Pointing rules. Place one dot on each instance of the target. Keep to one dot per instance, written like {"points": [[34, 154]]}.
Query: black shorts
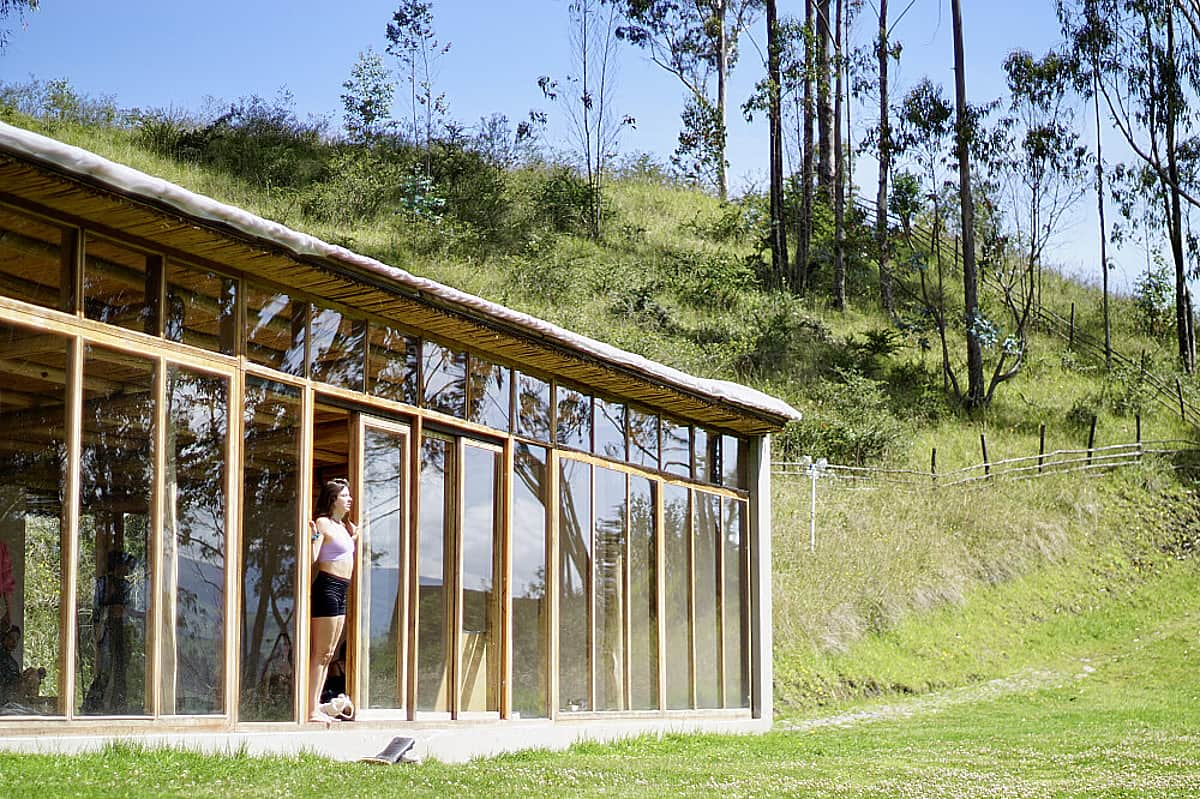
{"points": [[329, 595]]}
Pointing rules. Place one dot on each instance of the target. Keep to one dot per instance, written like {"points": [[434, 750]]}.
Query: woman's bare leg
{"points": [[326, 631]]}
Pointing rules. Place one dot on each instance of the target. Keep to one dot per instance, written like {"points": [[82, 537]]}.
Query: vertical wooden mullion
{"points": [[414, 538], [234, 458], [504, 476], [156, 614], [553, 581], [70, 260], [719, 553], [626, 584], [591, 589], [303, 550], [453, 578], [156, 295], [660, 587], [69, 535], [354, 608], [689, 527]]}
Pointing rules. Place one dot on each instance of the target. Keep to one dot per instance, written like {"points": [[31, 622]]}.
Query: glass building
{"points": [[551, 527]]}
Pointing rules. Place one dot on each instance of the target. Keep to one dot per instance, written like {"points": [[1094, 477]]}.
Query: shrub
{"points": [[848, 422], [565, 201]]}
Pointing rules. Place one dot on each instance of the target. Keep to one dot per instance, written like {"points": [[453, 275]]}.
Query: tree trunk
{"points": [[804, 237], [975, 388], [1103, 228], [825, 154], [1183, 311], [722, 75], [779, 253], [885, 165], [839, 171]]}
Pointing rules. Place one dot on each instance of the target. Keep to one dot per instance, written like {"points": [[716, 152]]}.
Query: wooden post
{"points": [[1179, 391], [1091, 439], [1071, 334], [1041, 447], [987, 467], [1137, 421], [933, 464]]}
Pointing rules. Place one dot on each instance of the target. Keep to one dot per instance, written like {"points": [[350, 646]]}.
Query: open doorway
{"points": [[332, 437]]}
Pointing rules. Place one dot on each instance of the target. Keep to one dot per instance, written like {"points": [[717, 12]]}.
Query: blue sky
{"points": [[160, 54]]}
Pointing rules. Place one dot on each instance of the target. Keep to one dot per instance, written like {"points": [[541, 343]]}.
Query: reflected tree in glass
{"points": [[574, 584], [574, 419], [337, 349], [529, 601], [677, 449], [488, 393], [610, 429], [533, 407], [383, 580], [609, 595], [643, 439], [393, 365], [676, 565], [735, 623], [434, 575], [643, 595], [479, 674], [445, 374], [706, 538]]}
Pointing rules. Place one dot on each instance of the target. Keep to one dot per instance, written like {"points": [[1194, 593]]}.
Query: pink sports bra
{"points": [[339, 546]]}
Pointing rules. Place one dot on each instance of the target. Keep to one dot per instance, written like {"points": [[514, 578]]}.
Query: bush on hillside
{"points": [[848, 422]]}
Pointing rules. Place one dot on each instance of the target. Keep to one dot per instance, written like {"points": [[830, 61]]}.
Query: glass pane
{"points": [[118, 288], [733, 473], [735, 624], [201, 309], [275, 329], [702, 460], [533, 407], [529, 605], [271, 465], [574, 584], [678, 645], [445, 373], [574, 419], [338, 349], [434, 574], [706, 536], [610, 429], [192, 674], [677, 449], [479, 645], [643, 439], [488, 401], [116, 472], [34, 266], [610, 590], [383, 579], [393, 365], [643, 595], [32, 482]]}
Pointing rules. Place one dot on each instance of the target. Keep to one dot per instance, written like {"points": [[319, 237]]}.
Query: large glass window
{"points": [[479, 641], [733, 467], [192, 673], [574, 429], [32, 483], [338, 350], [533, 407], [677, 449], [706, 537], [116, 474], [489, 393], [610, 429], [269, 517], [610, 593], [574, 584], [201, 309], [275, 329], [643, 594], [434, 574], [529, 600], [394, 365], [445, 375], [735, 624], [119, 285], [676, 565], [35, 267], [643, 439]]}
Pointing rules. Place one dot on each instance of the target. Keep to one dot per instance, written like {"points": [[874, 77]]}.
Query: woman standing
{"points": [[333, 542]]}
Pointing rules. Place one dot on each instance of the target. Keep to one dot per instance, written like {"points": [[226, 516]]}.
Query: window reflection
{"points": [[643, 439], [733, 473], [445, 375], [533, 407], [707, 626], [677, 449], [275, 329], [735, 624], [119, 285], [434, 575], [529, 600], [32, 483], [574, 419], [489, 393], [609, 599], [269, 515], [610, 429], [200, 309], [574, 584], [34, 265], [479, 640], [116, 473], [643, 594], [676, 561], [338, 349], [192, 674], [394, 365]]}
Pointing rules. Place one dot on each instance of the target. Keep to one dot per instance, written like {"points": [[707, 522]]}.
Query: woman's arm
{"points": [[316, 538]]}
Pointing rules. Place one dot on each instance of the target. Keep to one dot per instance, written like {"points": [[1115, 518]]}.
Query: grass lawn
{"points": [[1115, 714]]}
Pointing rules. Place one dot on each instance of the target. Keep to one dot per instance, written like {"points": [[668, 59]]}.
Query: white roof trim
{"points": [[126, 180]]}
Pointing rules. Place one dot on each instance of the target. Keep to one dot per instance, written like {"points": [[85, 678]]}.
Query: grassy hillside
{"points": [[909, 590]]}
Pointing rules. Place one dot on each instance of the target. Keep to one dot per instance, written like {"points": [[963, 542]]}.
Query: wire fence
{"points": [[1182, 454]]}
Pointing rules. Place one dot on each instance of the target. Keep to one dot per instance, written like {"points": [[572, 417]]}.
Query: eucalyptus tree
{"points": [[19, 7], [413, 41], [693, 40], [1147, 70], [779, 251], [367, 101]]}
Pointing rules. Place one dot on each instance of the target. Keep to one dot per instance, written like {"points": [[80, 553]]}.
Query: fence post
{"points": [[1137, 420], [1041, 447], [1071, 334], [933, 464], [1179, 391], [1091, 439], [987, 467]]}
